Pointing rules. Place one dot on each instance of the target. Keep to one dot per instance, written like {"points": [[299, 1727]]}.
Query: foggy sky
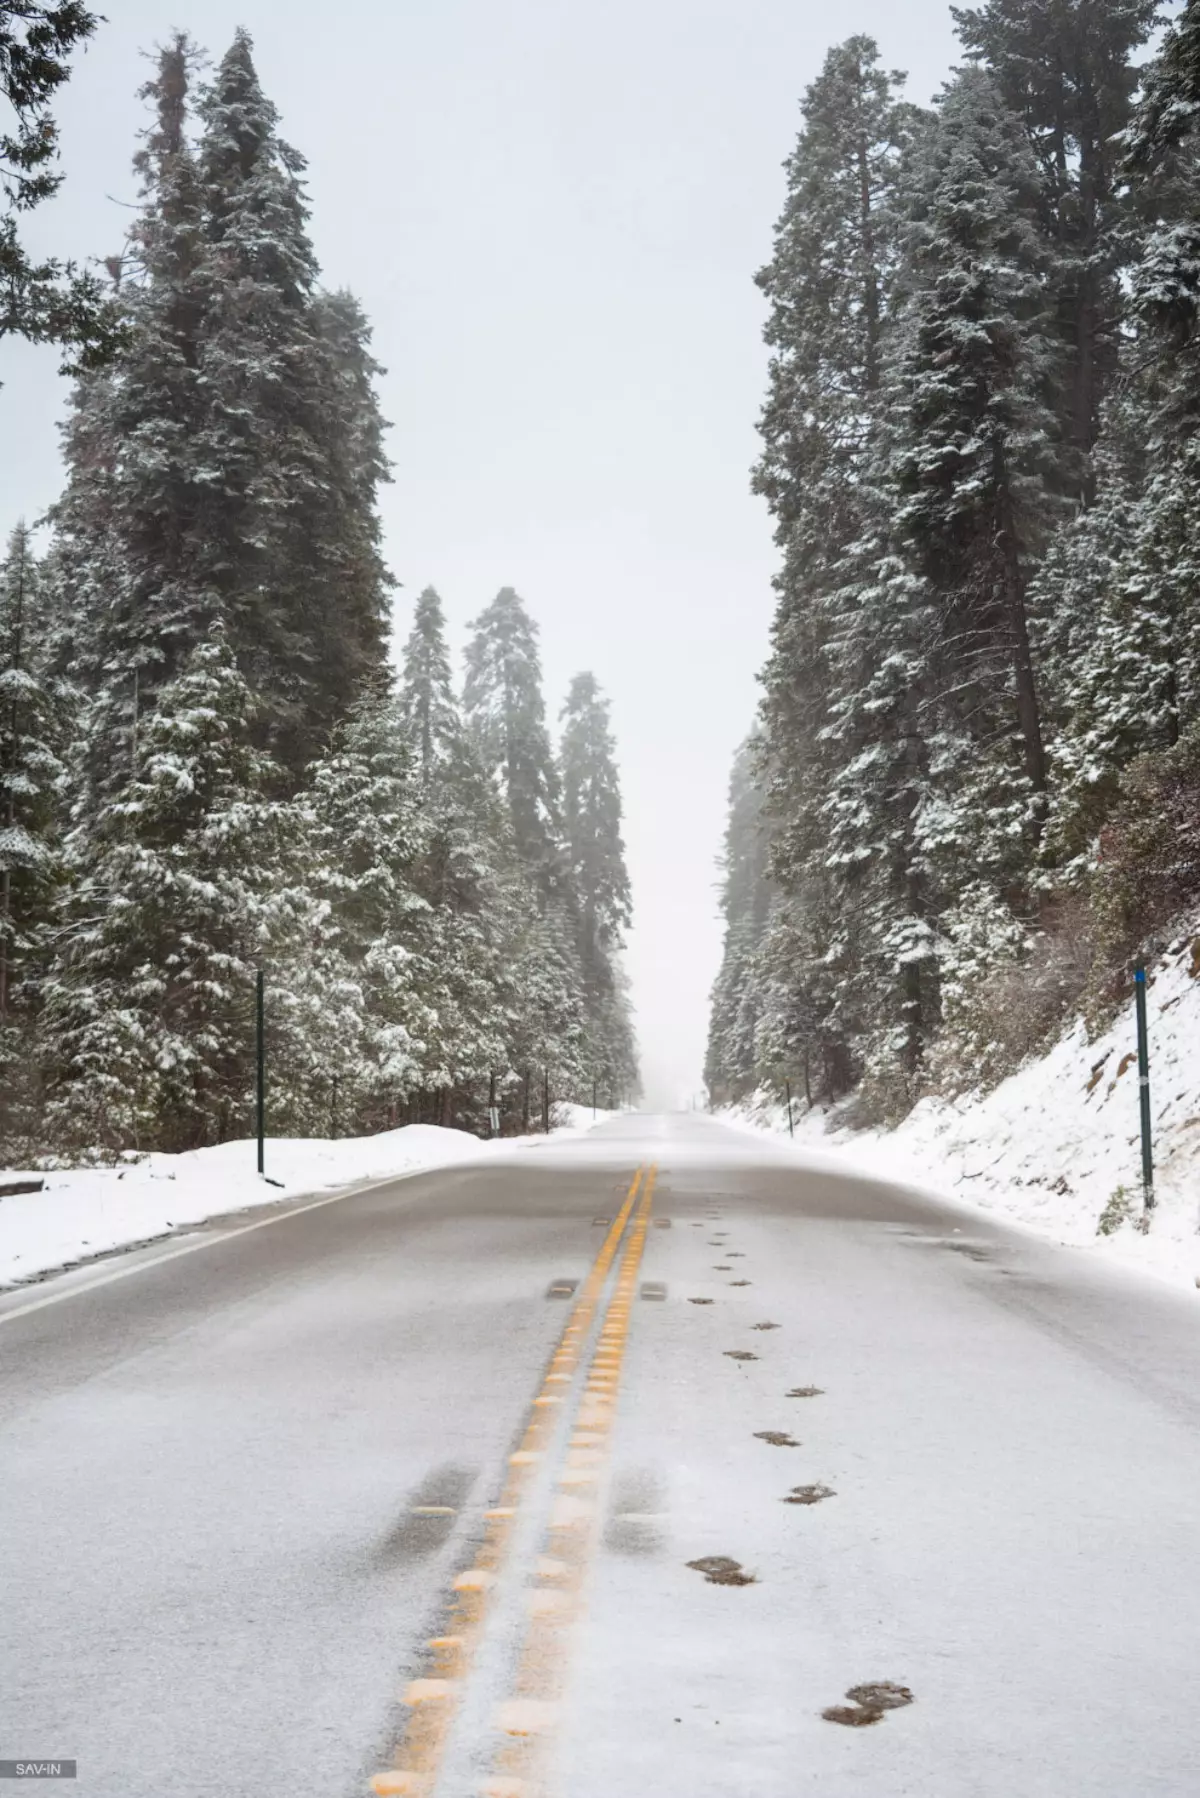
{"points": [[552, 215]]}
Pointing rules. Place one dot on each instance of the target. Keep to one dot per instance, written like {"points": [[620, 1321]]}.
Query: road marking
{"points": [[421, 1750], [530, 1712], [191, 1248]]}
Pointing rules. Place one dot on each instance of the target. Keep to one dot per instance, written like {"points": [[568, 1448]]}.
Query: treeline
{"points": [[207, 765], [973, 793]]}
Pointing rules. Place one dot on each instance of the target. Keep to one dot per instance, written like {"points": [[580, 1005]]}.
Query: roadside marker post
{"points": [[791, 1125], [259, 1009], [1144, 1089]]}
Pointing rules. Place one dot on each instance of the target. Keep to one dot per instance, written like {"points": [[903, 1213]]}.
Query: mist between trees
{"points": [[206, 764], [972, 797]]}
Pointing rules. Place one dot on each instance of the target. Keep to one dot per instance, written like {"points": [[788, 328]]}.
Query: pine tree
{"points": [[34, 722], [372, 836], [505, 709], [137, 591], [461, 874], [1117, 597], [830, 286], [182, 882], [599, 880], [427, 700], [731, 1066], [294, 436], [1068, 69], [46, 301]]}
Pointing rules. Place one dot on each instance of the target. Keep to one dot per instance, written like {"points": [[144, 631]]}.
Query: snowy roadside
{"points": [[85, 1212], [1050, 1146]]}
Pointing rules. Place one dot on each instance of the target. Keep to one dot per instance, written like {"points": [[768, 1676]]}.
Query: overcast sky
{"points": [[552, 214]]}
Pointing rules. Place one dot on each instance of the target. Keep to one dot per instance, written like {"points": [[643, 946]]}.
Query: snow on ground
{"points": [[83, 1212], [1050, 1147]]}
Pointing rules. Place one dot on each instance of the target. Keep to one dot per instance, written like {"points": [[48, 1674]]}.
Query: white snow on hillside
{"points": [[1051, 1145], [85, 1212]]}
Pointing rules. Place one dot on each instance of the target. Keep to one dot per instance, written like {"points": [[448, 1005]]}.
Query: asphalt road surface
{"points": [[399, 1494]]}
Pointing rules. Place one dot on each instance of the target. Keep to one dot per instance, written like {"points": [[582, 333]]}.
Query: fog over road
{"points": [[399, 1493]]}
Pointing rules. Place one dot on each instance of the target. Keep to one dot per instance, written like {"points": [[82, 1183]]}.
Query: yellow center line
{"points": [[433, 1700], [556, 1604]]}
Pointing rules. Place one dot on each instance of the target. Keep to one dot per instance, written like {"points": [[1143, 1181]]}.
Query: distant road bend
{"points": [[605, 1470]]}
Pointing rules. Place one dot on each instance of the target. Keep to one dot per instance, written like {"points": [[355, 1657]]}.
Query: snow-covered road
{"points": [[399, 1493]]}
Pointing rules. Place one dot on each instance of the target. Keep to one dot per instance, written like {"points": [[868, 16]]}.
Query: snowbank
{"points": [[1050, 1147], [81, 1213]]}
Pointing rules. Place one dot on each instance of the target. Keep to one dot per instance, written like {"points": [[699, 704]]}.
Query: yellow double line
{"points": [[528, 1717], [433, 1700]]}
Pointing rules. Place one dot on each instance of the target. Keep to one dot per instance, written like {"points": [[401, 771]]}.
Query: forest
{"points": [[970, 803], [208, 764]]}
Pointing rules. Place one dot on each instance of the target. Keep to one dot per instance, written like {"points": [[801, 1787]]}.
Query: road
{"points": [[399, 1494]]}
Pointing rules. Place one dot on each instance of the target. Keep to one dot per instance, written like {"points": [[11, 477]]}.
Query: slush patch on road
{"points": [[635, 1516], [699, 1301], [720, 1570], [806, 1392], [764, 1326], [868, 1704], [561, 1289], [740, 1282], [429, 1516], [740, 1355], [653, 1289], [809, 1495], [777, 1438]]}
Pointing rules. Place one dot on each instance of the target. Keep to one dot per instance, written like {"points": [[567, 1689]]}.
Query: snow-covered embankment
{"points": [[1052, 1145]]}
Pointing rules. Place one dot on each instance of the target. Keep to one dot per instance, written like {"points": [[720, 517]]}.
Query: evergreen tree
{"points": [[182, 883], [506, 711], [46, 301], [372, 836], [427, 701], [1068, 69], [138, 592], [731, 1066], [34, 721], [599, 880], [830, 285], [294, 436]]}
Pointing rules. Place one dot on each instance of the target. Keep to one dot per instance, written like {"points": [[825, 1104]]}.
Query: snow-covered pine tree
{"points": [[35, 717], [183, 883], [293, 435], [372, 836], [591, 809], [426, 696], [829, 285], [135, 588], [461, 876], [973, 451], [1068, 68], [731, 1069], [506, 712], [1117, 599]]}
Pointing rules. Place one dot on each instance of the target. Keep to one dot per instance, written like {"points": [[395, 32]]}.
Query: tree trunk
{"points": [[1029, 716]]}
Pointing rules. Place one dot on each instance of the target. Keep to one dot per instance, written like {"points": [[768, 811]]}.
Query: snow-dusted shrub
{"points": [[1008, 990]]}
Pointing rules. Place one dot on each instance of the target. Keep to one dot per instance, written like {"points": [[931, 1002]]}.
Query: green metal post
{"points": [[262, 1069], [1144, 1089]]}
